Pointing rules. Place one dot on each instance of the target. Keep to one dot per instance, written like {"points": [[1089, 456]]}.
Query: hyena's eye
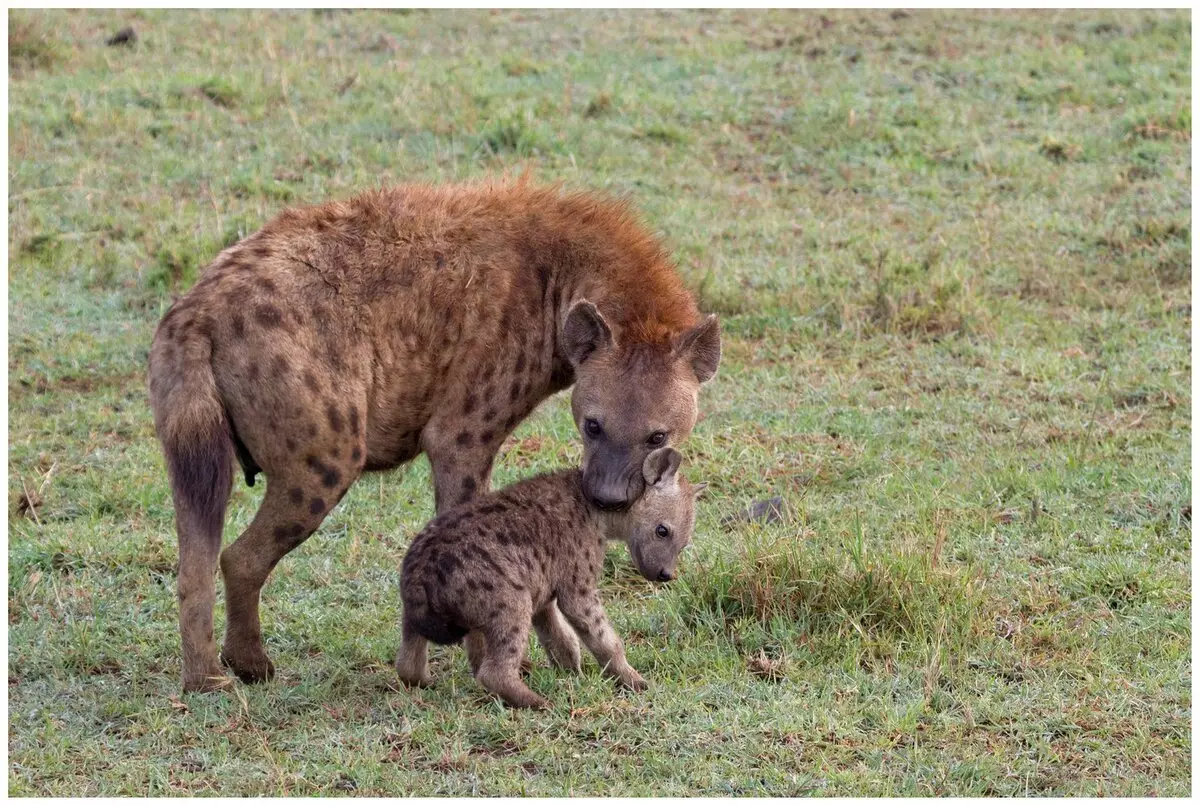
{"points": [[592, 428], [657, 438], [662, 531]]}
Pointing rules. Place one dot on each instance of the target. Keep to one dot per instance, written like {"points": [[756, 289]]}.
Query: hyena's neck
{"points": [[602, 254]]}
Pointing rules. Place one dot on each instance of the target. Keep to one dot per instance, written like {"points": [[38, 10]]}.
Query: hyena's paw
{"points": [[634, 681]]}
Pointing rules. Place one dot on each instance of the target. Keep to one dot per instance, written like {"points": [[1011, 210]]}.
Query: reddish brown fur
{"points": [[354, 335]]}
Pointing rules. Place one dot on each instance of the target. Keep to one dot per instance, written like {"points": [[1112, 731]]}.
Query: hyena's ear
{"points": [[701, 347], [584, 332], [699, 488], [660, 466]]}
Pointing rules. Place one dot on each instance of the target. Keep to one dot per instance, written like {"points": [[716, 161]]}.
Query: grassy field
{"points": [[952, 256]]}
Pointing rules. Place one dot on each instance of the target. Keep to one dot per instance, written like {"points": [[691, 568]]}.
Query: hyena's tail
{"points": [[190, 419]]}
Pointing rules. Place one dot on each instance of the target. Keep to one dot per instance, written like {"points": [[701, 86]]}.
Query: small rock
{"points": [[126, 36], [772, 510], [345, 783]]}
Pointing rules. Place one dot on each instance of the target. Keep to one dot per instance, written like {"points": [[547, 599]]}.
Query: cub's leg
{"points": [[500, 670], [476, 647], [557, 638], [411, 660], [586, 615]]}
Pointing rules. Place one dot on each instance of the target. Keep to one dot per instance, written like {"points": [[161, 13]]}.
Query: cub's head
{"points": [[632, 399], [660, 523]]}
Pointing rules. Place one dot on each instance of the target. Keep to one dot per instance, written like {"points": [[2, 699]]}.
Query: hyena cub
{"points": [[484, 571]]}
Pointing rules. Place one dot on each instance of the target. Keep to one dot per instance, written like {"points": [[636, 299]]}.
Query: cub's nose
{"points": [[664, 576], [610, 504]]}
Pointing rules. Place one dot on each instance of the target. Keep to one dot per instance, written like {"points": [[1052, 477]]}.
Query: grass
{"points": [[951, 252]]}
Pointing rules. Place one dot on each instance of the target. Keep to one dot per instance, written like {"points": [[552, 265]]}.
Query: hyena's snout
{"points": [[611, 491]]}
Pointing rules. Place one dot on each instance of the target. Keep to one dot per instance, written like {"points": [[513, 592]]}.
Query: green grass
{"points": [[952, 256]]}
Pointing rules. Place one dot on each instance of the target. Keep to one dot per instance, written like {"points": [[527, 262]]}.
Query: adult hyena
{"points": [[353, 336]]}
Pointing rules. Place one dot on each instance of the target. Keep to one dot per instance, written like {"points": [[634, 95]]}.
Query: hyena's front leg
{"points": [[461, 460], [586, 615]]}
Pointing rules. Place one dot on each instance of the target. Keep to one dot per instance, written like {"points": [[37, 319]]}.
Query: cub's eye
{"points": [[662, 531], [592, 428], [657, 438]]}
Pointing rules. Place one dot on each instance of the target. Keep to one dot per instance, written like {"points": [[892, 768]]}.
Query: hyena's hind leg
{"points": [[557, 638], [294, 506], [411, 661], [500, 670], [476, 646]]}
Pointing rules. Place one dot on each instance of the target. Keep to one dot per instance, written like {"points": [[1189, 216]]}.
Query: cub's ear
{"points": [[701, 347], [585, 332], [699, 488], [660, 466]]}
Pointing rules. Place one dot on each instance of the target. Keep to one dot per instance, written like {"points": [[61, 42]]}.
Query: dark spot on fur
{"points": [[485, 437], [310, 381], [463, 439], [469, 403], [489, 415], [520, 367], [265, 283], [290, 444], [472, 585], [316, 506], [356, 454], [329, 475], [512, 420], [268, 316], [290, 533], [514, 393], [447, 563], [487, 585], [252, 372], [354, 419], [335, 417], [469, 484], [488, 374], [239, 326], [312, 429], [296, 494], [261, 251], [279, 366]]}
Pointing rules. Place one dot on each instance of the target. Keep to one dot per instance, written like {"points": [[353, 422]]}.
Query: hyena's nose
{"points": [[610, 504], [665, 576]]}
